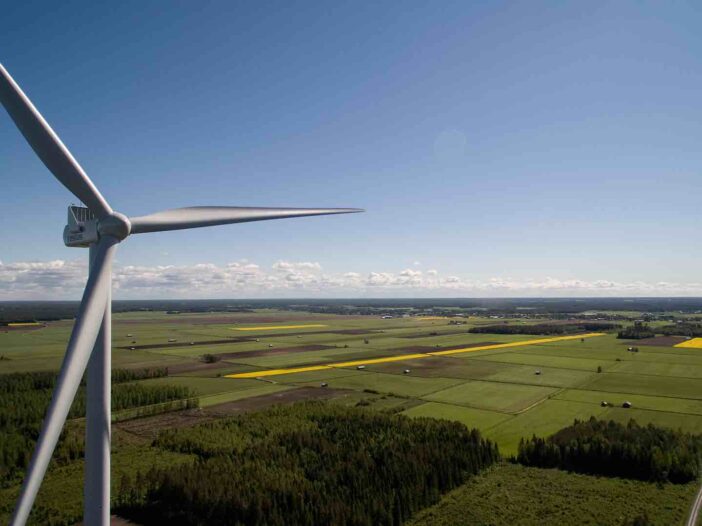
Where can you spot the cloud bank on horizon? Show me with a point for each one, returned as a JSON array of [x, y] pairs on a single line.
[[65, 279]]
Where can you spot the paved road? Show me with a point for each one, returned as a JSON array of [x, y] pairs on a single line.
[[694, 512]]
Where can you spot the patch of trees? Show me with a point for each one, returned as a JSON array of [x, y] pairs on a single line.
[[131, 375], [608, 448], [693, 330], [305, 464], [544, 328], [210, 358], [15, 382], [26, 396], [637, 331]]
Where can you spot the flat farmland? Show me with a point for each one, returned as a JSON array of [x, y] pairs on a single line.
[[646, 384], [403, 385], [548, 376], [497, 396], [469, 416], [653, 403], [659, 368], [544, 359], [423, 367]]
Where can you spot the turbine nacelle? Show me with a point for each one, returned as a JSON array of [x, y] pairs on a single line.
[[84, 229], [81, 229]]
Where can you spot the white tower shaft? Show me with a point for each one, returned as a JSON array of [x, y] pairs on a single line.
[[96, 492]]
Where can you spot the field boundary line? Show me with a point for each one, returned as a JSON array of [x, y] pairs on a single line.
[[638, 394], [467, 405], [539, 402], [637, 408], [635, 394], [509, 416]]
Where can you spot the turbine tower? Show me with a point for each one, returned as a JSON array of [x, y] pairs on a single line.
[[98, 227]]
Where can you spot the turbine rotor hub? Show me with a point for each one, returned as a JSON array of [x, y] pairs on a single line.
[[116, 225]]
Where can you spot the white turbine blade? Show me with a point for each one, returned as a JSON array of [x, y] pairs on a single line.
[[48, 146], [85, 332], [199, 216]]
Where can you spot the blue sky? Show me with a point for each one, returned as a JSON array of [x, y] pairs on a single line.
[[497, 147]]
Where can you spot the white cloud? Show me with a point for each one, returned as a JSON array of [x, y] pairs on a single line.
[[243, 279]]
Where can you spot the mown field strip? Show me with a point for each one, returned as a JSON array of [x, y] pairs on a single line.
[[278, 327], [414, 356]]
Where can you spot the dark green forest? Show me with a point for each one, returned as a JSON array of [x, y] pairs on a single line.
[[545, 328], [693, 330], [26, 396], [599, 447], [637, 331], [306, 464]]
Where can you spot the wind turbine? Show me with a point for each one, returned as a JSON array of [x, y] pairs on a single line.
[[100, 228]]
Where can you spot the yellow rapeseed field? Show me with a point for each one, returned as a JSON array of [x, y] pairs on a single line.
[[277, 327], [386, 359], [24, 324], [694, 343]]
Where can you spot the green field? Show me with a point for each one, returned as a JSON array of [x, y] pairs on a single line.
[[499, 388]]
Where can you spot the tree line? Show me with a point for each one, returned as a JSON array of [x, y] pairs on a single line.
[[693, 330], [637, 331], [308, 464], [544, 328], [26, 396], [612, 449]]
